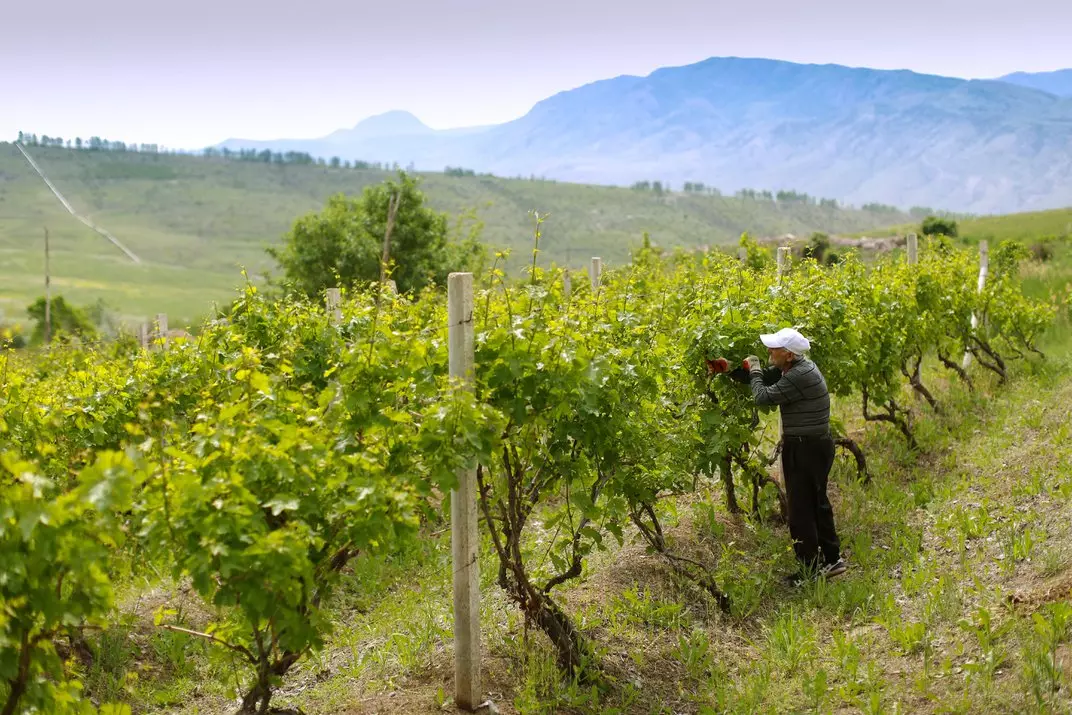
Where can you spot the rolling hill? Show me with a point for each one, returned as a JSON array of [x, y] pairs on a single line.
[[1058, 82], [854, 134], [195, 222]]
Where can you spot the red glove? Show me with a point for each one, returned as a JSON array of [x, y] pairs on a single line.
[[717, 365]]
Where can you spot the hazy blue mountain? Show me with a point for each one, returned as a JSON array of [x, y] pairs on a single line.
[[389, 137], [854, 134], [1058, 82]]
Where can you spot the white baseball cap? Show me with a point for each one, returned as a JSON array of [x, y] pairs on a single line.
[[787, 338]]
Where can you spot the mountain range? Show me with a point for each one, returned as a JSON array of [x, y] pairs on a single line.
[[1058, 82], [854, 134]]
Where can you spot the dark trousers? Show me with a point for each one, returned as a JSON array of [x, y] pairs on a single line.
[[806, 463]]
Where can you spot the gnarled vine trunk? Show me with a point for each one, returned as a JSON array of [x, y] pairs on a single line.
[[916, 381], [996, 364], [961, 372], [506, 521], [892, 415], [725, 469], [683, 566], [849, 444]]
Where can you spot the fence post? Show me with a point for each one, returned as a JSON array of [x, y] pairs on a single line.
[[333, 299], [161, 327], [984, 267], [567, 284], [913, 249], [596, 272], [742, 254], [783, 261], [143, 334], [464, 538], [783, 266]]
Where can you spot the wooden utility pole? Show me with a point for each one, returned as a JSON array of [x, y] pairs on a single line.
[[464, 537], [48, 295], [392, 211]]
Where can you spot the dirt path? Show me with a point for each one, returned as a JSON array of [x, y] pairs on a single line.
[[115, 241]]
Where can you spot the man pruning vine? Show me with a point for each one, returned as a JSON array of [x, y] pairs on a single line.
[[796, 385]]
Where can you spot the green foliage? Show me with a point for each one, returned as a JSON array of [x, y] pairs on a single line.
[[938, 226], [283, 446], [67, 320], [818, 247], [54, 553], [342, 246], [757, 257]]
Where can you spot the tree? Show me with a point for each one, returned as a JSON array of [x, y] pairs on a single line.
[[342, 245], [938, 226], [817, 246], [66, 320]]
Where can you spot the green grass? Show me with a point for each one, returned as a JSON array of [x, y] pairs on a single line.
[[196, 222], [1028, 227]]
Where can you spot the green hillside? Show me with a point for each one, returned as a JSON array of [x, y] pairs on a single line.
[[1022, 226], [196, 222], [1027, 226]]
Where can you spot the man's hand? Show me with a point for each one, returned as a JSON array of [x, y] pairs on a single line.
[[718, 365], [752, 363]]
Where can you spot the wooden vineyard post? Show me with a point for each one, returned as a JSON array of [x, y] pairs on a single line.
[[161, 328], [913, 249], [143, 334], [332, 300], [464, 538], [783, 261], [783, 265], [596, 272], [48, 297], [742, 254], [984, 267], [567, 285]]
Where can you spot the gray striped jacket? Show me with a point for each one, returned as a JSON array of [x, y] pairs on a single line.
[[800, 393]]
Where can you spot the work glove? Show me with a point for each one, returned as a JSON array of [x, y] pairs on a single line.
[[752, 362], [718, 365]]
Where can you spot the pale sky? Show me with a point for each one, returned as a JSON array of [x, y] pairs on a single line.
[[195, 72]]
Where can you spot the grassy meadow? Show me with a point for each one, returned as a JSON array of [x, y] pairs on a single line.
[[196, 223]]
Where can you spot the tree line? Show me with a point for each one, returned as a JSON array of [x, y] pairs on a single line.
[[301, 158]]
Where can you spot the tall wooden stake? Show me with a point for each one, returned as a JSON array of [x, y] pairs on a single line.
[[567, 284], [48, 295], [332, 301], [913, 249], [464, 538], [392, 211], [783, 261], [783, 266], [162, 328], [984, 267], [596, 272]]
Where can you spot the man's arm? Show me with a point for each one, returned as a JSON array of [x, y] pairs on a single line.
[[782, 392], [771, 375]]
